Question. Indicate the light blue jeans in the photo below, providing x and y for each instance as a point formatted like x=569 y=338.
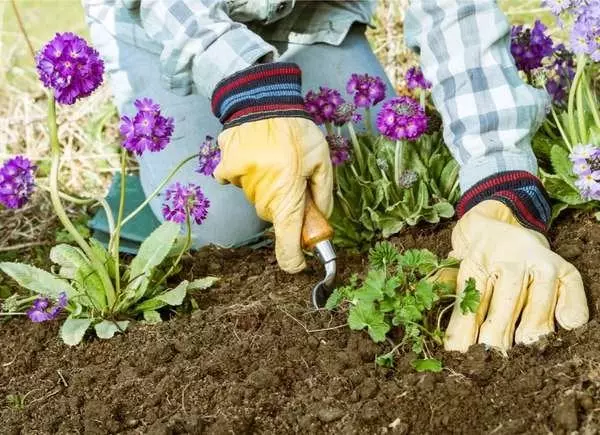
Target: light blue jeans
x=134 y=73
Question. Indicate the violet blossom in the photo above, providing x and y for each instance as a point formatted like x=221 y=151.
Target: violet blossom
x=69 y=66
x=367 y=90
x=585 y=34
x=529 y=47
x=415 y=79
x=560 y=74
x=322 y=105
x=147 y=130
x=339 y=149
x=586 y=166
x=42 y=311
x=402 y=118
x=16 y=182
x=210 y=156
x=183 y=199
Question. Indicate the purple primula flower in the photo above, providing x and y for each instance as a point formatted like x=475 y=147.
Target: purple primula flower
x=210 y=156
x=367 y=90
x=181 y=200
x=402 y=118
x=529 y=47
x=41 y=311
x=339 y=149
x=560 y=74
x=585 y=34
x=69 y=66
x=345 y=113
x=415 y=79
x=16 y=182
x=323 y=105
x=586 y=165
x=558 y=6
x=148 y=130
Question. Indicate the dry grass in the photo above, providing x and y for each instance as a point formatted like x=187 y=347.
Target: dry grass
x=88 y=130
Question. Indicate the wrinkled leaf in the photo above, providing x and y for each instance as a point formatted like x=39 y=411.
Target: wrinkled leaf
x=203 y=283
x=561 y=163
x=469 y=299
x=366 y=316
x=107 y=328
x=152 y=317
x=444 y=209
x=171 y=297
x=37 y=280
x=385 y=360
x=73 y=330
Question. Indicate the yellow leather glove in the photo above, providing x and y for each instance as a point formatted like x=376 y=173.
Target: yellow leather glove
x=273 y=150
x=518 y=276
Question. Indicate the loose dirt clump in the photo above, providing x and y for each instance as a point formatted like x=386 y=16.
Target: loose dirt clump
x=255 y=357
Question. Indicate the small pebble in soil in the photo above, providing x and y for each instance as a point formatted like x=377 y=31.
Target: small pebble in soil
x=327 y=415
x=565 y=415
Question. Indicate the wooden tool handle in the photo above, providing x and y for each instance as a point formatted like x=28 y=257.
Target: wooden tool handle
x=315 y=228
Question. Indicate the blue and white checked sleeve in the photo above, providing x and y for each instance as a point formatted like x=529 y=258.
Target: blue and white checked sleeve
x=489 y=113
x=198 y=35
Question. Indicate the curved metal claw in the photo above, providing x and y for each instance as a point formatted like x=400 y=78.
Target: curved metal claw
x=323 y=289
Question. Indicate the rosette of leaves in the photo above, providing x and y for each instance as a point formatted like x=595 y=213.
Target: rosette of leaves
x=144 y=290
x=403 y=297
x=370 y=203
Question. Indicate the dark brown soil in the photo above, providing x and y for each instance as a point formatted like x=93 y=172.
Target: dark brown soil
x=249 y=360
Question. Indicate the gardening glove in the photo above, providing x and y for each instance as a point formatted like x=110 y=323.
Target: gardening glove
x=500 y=240
x=271 y=148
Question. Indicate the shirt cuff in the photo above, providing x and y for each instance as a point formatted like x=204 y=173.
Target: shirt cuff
x=234 y=51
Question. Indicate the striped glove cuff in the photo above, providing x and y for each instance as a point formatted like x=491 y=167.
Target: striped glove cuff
x=520 y=191
x=271 y=90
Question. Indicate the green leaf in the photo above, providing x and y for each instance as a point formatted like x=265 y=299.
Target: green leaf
x=173 y=297
x=366 y=316
x=424 y=294
x=449 y=177
x=383 y=255
x=69 y=258
x=336 y=298
x=203 y=283
x=444 y=209
x=372 y=288
x=73 y=330
x=427 y=365
x=469 y=299
x=561 y=163
x=422 y=260
x=559 y=189
x=557 y=209
x=152 y=317
x=152 y=252
x=107 y=328
x=386 y=360
x=37 y=280
x=407 y=311
x=100 y=251
x=542 y=146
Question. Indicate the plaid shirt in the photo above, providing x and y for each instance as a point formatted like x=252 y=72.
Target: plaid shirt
x=201 y=42
x=489 y=113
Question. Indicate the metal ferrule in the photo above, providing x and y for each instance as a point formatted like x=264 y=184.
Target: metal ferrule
x=326 y=255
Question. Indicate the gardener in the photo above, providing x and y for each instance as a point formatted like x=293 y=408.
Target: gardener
x=240 y=62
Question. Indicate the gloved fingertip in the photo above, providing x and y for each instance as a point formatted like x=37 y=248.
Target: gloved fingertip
x=219 y=174
x=294 y=266
x=572 y=308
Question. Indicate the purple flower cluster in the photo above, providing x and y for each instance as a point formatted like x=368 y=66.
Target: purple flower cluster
x=69 y=66
x=585 y=34
x=210 y=156
x=345 y=113
x=148 y=130
x=415 y=79
x=41 y=311
x=16 y=182
x=323 y=105
x=181 y=200
x=586 y=165
x=367 y=90
x=529 y=47
x=560 y=74
x=558 y=6
x=402 y=118
x=339 y=149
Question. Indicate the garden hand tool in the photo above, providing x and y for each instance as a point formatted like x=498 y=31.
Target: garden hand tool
x=317 y=235
x=517 y=275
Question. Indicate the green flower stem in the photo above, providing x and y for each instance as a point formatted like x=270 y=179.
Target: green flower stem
x=369 y=121
x=116 y=236
x=356 y=147
x=592 y=103
x=157 y=190
x=398 y=160
x=59 y=209
x=186 y=247
x=561 y=129
x=329 y=128
x=22 y=29
x=581 y=62
x=441 y=315
x=581 y=109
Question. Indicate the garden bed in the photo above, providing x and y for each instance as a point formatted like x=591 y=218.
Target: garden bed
x=249 y=360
